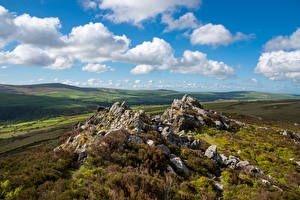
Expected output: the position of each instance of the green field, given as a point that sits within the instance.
(32, 102)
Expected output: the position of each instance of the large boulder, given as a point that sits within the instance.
(212, 153)
(180, 165)
(188, 114)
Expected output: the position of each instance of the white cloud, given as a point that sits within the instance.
(254, 80)
(214, 35)
(27, 55)
(94, 43)
(29, 30)
(142, 69)
(88, 4)
(3, 67)
(188, 20)
(195, 62)
(157, 53)
(279, 65)
(282, 59)
(136, 11)
(41, 44)
(138, 81)
(97, 68)
(284, 42)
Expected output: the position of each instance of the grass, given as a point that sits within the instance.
(288, 110)
(26, 126)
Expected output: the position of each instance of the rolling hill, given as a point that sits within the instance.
(28, 102)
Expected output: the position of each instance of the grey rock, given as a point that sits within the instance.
(212, 153)
(170, 169)
(180, 165)
(298, 163)
(218, 186)
(242, 164)
(164, 148)
(266, 182)
(223, 158)
(150, 142)
(134, 138)
(82, 155)
(196, 144)
(286, 133)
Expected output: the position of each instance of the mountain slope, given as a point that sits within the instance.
(186, 153)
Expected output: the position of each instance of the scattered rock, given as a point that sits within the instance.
(164, 148)
(218, 186)
(82, 155)
(180, 165)
(170, 169)
(134, 138)
(212, 153)
(196, 144)
(150, 142)
(266, 182)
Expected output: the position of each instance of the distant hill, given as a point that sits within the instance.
(26, 102)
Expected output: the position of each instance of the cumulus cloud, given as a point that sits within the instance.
(94, 43)
(29, 30)
(142, 69)
(186, 21)
(137, 11)
(195, 62)
(214, 35)
(97, 68)
(138, 81)
(88, 4)
(157, 53)
(254, 80)
(41, 44)
(281, 61)
(279, 65)
(284, 42)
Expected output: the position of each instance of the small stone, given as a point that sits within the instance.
(134, 138)
(82, 155)
(150, 142)
(266, 182)
(164, 148)
(179, 164)
(170, 169)
(218, 186)
(269, 176)
(242, 164)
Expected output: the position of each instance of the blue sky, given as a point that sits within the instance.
(208, 45)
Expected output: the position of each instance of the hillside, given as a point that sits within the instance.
(187, 152)
(31, 102)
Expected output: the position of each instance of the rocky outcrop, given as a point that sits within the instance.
(183, 116)
(294, 136)
(188, 114)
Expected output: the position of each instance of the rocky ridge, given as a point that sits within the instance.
(183, 116)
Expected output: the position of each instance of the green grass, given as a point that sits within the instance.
(26, 103)
(26, 126)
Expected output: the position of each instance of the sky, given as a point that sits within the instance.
(190, 45)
